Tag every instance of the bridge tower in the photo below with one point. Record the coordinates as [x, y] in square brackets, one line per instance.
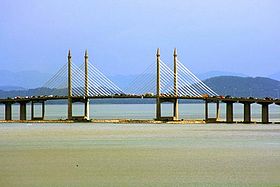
[158, 115]
[159, 98]
[86, 102]
[82, 99]
[70, 102]
[176, 103]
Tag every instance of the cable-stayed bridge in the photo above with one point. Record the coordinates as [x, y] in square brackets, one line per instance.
[83, 82]
[86, 80]
[164, 82]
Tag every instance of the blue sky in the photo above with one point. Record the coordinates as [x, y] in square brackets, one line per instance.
[122, 35]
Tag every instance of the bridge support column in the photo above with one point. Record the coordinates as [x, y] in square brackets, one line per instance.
[8, 111]
[85, 116]
[247, 112]
[206, 111]
[86, 109]
[33, 117]
[22, 111]
[32, 110]
[278, 103]
[158, 109]
[70, 105]
[229, 112]
[43, 110]
[265, 113]
[176, 109]
[217, 110]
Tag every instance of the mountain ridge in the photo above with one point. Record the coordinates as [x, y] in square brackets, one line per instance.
[244, 86]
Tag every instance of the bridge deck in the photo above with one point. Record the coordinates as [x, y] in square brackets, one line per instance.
[209, 99]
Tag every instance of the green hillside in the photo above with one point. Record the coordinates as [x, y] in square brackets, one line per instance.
[244, 86]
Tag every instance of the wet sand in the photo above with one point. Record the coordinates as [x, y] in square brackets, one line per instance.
[112, 121]
[139, 155]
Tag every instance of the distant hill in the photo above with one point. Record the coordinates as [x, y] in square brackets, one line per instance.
[244, 86]
[211, 74]
[32, 92]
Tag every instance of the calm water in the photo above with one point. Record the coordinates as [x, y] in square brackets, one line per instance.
[87, 154]
[144, 111]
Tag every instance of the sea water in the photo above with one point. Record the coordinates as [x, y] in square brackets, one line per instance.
[88, 154]
[191, 111]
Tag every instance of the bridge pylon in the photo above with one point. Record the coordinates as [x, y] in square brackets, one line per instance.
[176, 103]
[161, 99]
[86, 109]
[158, 107]
[70, 102]
[82, 99]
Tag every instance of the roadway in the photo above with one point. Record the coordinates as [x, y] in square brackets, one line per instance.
[123, 96]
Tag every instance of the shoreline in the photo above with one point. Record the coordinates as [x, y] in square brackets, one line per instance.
[129, 121]
[115, 121]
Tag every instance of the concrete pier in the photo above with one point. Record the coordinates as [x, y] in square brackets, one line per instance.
[22, 109]
[206, 110]
[8, 111]
[265, 113]
[86, 110]
[229, 112]
[158, 108]
[217, 111]
[247, 112]
[278, 103]
[176, 109]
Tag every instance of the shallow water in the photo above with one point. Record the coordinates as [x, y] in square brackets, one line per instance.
[144, 111]
[139, 155]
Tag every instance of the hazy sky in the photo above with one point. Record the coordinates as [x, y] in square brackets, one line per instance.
[122, 35]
